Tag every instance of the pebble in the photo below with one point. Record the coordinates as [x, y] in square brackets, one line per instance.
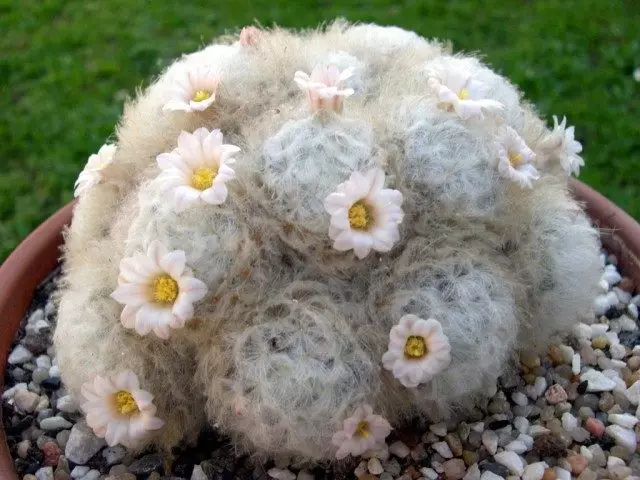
[281, 474]
[511, 460]
[443, 449]
[569, 422]
[562, 474]
[599, 459]
[473, 473]
[490, 441]
[82, 444]
[519, 398]
[55, 423]
[66, 404]
[302, 475]
[549, 474]
[91, 475]
[19, 355]
[578, 464]
[556, 394]
[487, 475]
[454, 469]
[632, 308]
[534, 471]
[79, 471]
[455, 444]
[598, 382]
[51, 453]
[633, 393]
[399, 449]
[624, 420]
[623, 436]
[517, 447]
[439, 429]
[45, 473]
[62, 438]
[374, 466]
[25, 400]
[113, 455]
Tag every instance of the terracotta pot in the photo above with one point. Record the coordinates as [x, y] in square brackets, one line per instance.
[38, 254]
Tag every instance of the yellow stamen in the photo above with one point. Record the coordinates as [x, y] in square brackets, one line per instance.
[463, 94]
[360, 216]
[362, 429]
[201, 95]
[126, 404]
[202, 178]
[515, 158]
[415, 347]
[165, 290]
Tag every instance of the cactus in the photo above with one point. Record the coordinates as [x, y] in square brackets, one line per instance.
[284, 211]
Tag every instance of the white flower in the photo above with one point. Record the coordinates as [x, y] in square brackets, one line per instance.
[92, 173]
[460, 92]
[325, 89]
[515, 158]
[194, 89]
[418, 350]
[158, 291]
[198, 169]
[361, 432]
[364, 214]
[569, 158]
[118, 410]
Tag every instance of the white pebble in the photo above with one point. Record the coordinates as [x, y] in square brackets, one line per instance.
[526, 439]
[361, 469]
[597, 381]
[374, 466]
[604, 285]
[19, 355]
[477, 427]
[516, 446]
[439, 429]
[536, 430]
[633, 393]
[487, 475]
[611, 276]
[521, 424]
[567, 353]
[490, 441]
[66, 404]
[519, 398]
[534, 471]
[624, 437]
[443, 449]
[79, 471]
[10, 392]
[511, 460]
[54, 371]
[540, 385]
[635, 300]
[280, 474]
[562, 474]
[632, 308]
[623, 419]
[399, 449]
[26, 401]
[614, 461]
[599, 329]
[43, 361]
[612, 298]
[601, 304]
[569, 422]
[623, 297]
[473, 473]
[586, 453]
[627, 324]
[582, 330]
[575, 364]
[429, 473]
[55, 423]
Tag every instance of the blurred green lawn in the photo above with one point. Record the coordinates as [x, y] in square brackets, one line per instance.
[66, 67]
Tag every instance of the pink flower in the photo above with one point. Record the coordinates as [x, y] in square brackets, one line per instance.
[324, 87]
[118, 410]
[361, 432]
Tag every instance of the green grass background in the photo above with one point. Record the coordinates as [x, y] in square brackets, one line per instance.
[66, 67]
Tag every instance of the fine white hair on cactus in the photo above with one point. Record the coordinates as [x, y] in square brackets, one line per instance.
[289, 339]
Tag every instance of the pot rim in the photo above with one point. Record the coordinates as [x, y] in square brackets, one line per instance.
[39, 253]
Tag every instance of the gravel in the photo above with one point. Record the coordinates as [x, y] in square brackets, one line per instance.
[573, 413]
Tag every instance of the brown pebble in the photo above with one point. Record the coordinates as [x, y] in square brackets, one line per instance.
[633, 378]
[600, 342]
[368, 476]
[549, 445]
[412, 472]
[578, 463]
[594, 426]
[549, 474]
[633, 363]
[454, 443]
[555, 394]
[529, 378]
[627, 284]
[530, 360]
[469, 457]
[556, 355]
[606, 402]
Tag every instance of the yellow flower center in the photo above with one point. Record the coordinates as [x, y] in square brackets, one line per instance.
[360, 217]
[201, 95]
[126, 404]
[165, 290]
[463, 94]
[362, 429]
[202, 178]
[415, 347]
[515, 158]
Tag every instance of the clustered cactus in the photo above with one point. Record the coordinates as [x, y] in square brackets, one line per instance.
[306, 239]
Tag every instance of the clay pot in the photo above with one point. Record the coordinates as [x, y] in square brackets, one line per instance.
[38, 254]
